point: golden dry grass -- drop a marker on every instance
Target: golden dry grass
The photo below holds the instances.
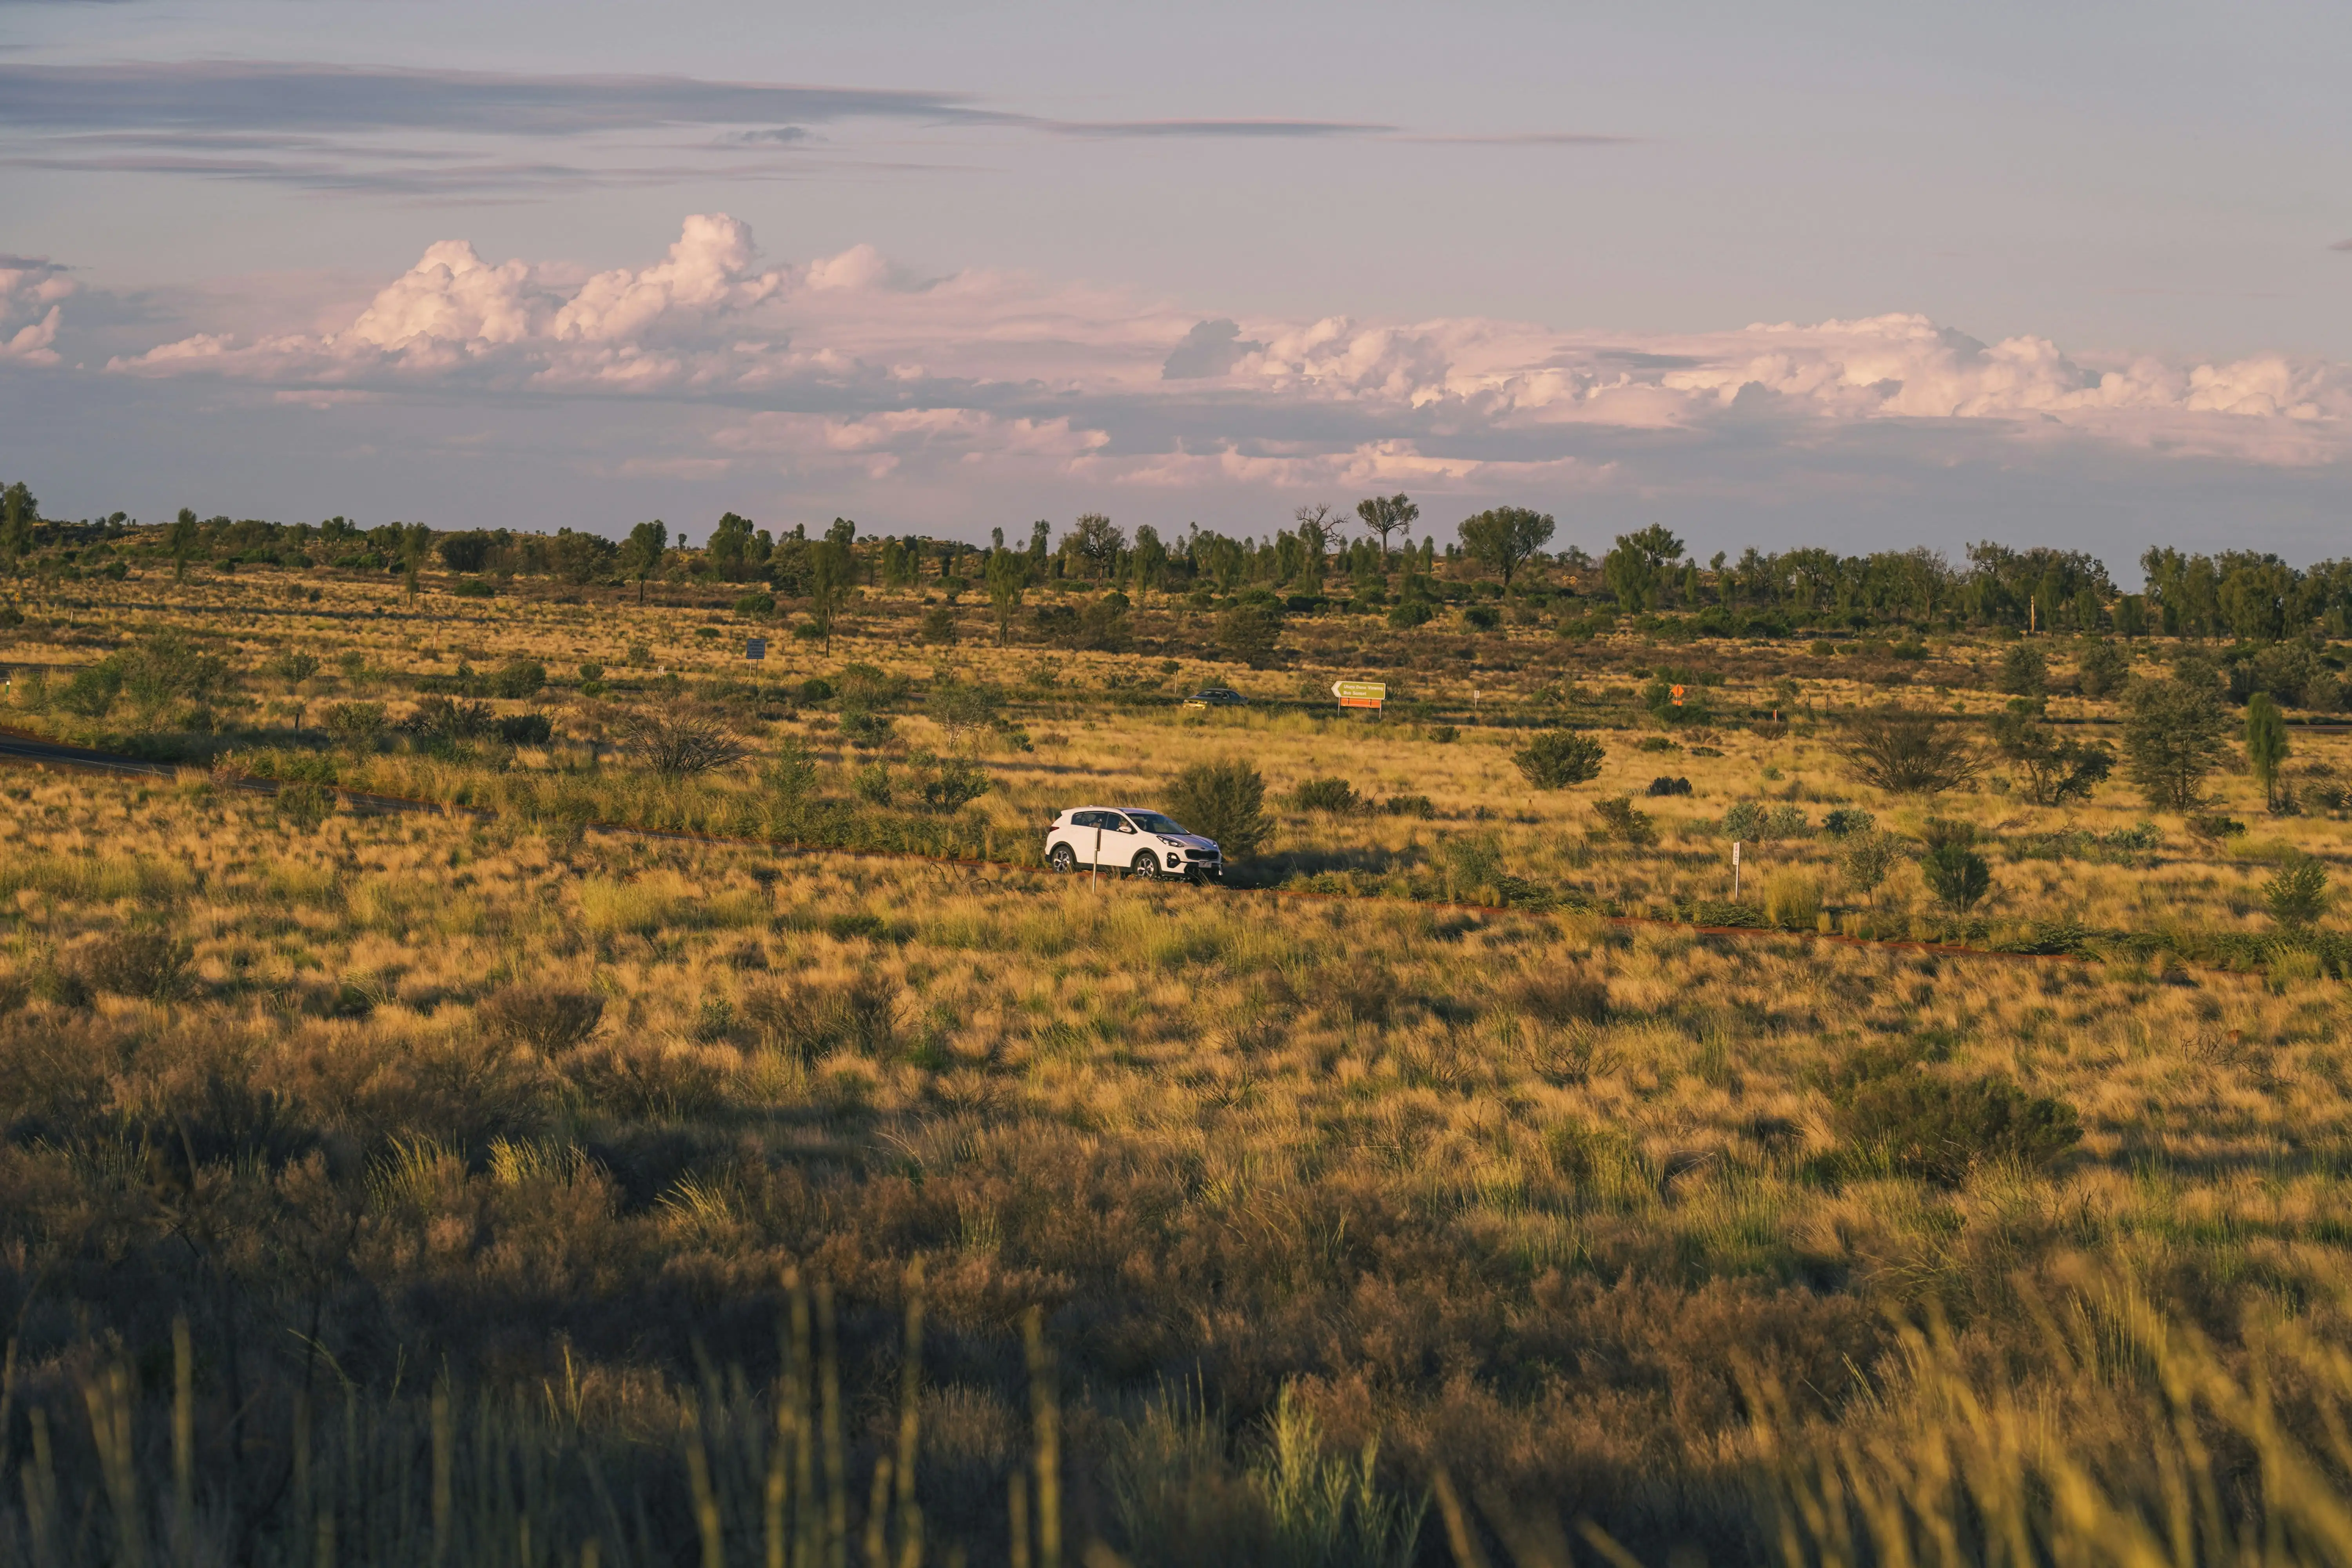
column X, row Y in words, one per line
column 1583, row 1216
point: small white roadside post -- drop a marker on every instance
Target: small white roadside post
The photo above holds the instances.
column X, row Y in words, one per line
column 1735, row 870
column 1093, row 876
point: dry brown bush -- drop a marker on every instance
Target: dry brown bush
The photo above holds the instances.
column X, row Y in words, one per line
column 546, row 1018
column 1568, row 996
column 140, row 961
column 678, row 744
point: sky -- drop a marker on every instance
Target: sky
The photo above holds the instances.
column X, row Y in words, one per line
column 1851, row 275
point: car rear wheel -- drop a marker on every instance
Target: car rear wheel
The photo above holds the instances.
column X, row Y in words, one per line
column 1146, row 865
column 1061, row 859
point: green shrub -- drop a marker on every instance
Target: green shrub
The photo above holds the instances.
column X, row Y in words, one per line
column 1868, row 857
column 2297, row 894
column 1409, row 806
column 865, row 730
column 1559, row 758
column 1847, row 821
column 355, row 723
column 1335, row 796
column 2101, row 669
column 793, row 775
column 1481, row 617
column 756, row 607
column 526, row 730
column 1754, row 823
column 304, row 804
column 2023, row 671
column 519, row 677
column 1413, row 613
column 948, row 783
column 474, row 588
column 2173, row 737
column 1957, row 875
column 1616, row 818
column 92, row 691
column 1248, row 632
column 1916, row 1123
column 1908, row 753
column 1225, row 801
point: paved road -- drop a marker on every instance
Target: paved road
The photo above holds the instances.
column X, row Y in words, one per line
column 16, row 746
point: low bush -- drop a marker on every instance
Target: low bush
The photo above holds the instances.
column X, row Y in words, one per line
column 144, row 961
column 526, row 730
column 438, row 720
column 1905, row 752
column 1666, row 787
column 1566, row 996
column 1616, row 819
column 1914, row 1122
column 303, row 804
column 1225, row 801
column 519, row 677
column 1559, row 758
column 1955, row 874
column 948, row 783
column 547, row 1018
column 355, row 724
column 1413, row 613
column 2297, row 894
column 678, row 745
column 1332, row 796
column 1409, row 806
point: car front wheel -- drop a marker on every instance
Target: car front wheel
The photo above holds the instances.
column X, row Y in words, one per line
column 1061, row 859
column 1147, row 864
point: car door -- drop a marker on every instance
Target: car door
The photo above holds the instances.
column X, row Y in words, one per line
column 1121, row 840
column 1087, row 829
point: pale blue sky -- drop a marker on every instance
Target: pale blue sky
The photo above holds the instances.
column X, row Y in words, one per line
column 2165, row 184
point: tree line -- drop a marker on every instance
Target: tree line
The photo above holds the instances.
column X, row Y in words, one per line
column 1370, row 556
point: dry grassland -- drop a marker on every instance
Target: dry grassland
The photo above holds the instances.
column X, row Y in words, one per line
column 1362, row 1230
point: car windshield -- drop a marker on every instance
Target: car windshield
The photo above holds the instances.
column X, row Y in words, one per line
column 1152, row 822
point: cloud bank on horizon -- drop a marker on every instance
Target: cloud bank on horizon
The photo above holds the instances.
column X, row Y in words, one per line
column 846, row 368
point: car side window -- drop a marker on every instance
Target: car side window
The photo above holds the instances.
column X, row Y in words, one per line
column 1089, row 819
column 1120, row 823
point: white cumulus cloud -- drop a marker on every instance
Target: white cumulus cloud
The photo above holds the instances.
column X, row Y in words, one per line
column 870, row 368
column 32, row 304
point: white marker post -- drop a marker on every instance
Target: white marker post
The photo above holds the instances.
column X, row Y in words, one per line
column 1093, row 876
column 1735, row 870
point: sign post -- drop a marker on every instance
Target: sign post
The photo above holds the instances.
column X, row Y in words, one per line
column 1093, row 873
column 1678, row 696
column 1361, row 693
column 1735, row 870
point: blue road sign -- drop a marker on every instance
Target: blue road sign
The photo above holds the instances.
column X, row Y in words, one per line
column 755, row 648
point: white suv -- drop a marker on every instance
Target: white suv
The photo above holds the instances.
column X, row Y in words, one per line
column 1131, row 839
